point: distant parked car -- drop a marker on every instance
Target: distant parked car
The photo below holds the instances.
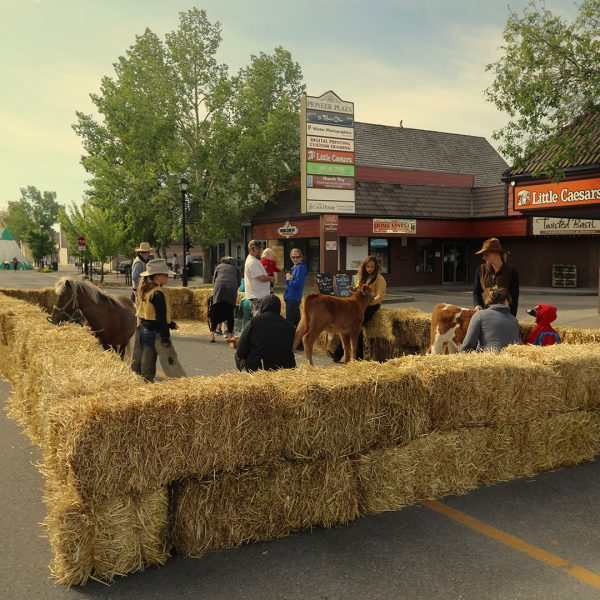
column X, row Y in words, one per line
column 124, row 265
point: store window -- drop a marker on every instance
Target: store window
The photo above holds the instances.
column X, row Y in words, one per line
column 425, row 256
column 311, row 250
column 380, row 248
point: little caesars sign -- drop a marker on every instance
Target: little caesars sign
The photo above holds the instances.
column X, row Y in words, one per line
column 327, row 154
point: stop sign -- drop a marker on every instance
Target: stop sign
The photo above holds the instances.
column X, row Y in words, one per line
column 81, row 242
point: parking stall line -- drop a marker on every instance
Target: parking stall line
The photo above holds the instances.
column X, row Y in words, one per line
column 552, row 560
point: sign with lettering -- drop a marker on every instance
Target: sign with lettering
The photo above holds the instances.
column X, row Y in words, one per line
column 321, row 143
column 330, row 131
column 287, row 230
column 408, row 226
column 327, row 154
column 330, row 101
column 330, row 182
column 330, row 222
column 556, row 195
column 555, row 226
column 329, row 118
column 330, row 156
column 342, row 281
column 325, row 283
column 327, row 169
column 327, row 206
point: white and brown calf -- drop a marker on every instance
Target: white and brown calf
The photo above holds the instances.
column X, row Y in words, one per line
column 449, row 325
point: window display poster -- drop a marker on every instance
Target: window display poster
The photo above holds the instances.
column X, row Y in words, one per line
column 357, row 249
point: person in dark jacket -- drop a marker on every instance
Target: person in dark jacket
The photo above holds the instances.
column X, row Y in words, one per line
column 543, row 334
column 226, row 282
column 268, row 339
column 495, row 271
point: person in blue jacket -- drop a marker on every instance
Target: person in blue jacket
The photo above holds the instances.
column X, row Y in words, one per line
column 294, row 286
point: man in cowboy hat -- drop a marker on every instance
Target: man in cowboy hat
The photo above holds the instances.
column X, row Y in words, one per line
column 495, row 271
column 144, row 254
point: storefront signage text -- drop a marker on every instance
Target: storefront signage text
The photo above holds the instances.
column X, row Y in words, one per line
column 287, row 230
column 346, row 133
column 402, row 226
column 555, row 226
column 343, row 158
column 327, row 154
column 329, row 118
column 330, row 222
column 553, row 195
column 330, row 182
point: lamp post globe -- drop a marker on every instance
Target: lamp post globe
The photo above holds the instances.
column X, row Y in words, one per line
column 183, row 185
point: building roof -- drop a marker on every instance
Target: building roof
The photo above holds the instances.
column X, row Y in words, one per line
column 412, row 201
column 402, row 201
column 406, row 148
column 489, row 201
column 586, row 148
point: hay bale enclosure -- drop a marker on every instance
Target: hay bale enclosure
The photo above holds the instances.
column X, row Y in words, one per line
column 135, row 472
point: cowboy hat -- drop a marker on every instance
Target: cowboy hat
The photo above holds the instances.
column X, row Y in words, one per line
column 490, row 245
column 157, row 266
column 144, row 247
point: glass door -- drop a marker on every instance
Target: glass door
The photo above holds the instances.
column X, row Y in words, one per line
column 456, row 263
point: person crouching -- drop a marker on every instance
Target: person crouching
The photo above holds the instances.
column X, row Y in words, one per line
column 543, row 334
column 154, row 312
column 268, row 339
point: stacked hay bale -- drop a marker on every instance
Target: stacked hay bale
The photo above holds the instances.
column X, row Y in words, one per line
column 52, row 370
column 255, row 456
column 44, row 297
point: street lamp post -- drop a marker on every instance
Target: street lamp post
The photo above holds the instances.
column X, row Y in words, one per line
column 183, row 184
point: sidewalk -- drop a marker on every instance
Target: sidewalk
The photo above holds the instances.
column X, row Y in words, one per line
column 394, row 293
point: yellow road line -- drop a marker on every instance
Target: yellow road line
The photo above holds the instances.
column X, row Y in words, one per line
column 592, row 579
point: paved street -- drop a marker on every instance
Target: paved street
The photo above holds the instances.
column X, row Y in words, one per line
column 528, row 539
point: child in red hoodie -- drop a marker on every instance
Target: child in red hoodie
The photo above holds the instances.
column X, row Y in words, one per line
column 543, row 334
column 268, row 261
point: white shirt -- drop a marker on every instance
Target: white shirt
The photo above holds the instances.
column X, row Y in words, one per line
column 253, row 268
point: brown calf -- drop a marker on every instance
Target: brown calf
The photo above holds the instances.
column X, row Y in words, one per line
column 449, row 325
column 343, row 316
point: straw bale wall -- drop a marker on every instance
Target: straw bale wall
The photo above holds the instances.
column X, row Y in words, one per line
column 208, row 463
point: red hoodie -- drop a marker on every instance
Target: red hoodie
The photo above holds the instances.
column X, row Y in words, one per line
column 545, row 314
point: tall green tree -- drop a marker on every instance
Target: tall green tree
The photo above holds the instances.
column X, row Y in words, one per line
column 172, row 110
column 549, row 74
column 103, row 230
column 35, row 210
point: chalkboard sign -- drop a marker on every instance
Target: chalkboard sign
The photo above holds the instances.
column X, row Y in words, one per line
column 325, row 283
column 342, row 281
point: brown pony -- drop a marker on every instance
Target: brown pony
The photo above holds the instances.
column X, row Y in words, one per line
column 112, row 320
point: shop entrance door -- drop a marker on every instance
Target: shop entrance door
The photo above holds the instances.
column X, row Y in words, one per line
column 456, row 263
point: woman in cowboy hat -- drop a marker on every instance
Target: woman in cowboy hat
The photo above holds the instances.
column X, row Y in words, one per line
column 154, row 311
column 495, row 271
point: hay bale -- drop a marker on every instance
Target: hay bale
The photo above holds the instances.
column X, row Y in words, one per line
column 261, row 503
column 196, row 426
column 344, row 410
column 455, row 462
column 168, row 431
column 42, row 297
column 395, row 332
column 431, row 466
column 57, row 366
column 484, row 388
column 555, row 441
column 577, row 365
column 105, row 539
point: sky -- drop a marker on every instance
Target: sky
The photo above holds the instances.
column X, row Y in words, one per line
column 419, row 61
